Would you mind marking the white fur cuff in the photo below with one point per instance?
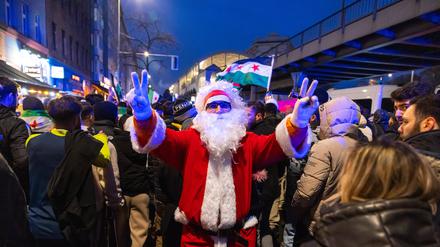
(155, 140)
(250, 222)
(283, 139)
(180, 216)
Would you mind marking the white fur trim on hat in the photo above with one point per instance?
(218, 98)
(283, 139)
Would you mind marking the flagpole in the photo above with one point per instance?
(270, 76)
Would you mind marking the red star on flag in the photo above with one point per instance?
(255, 67)
(228, 69)
(240, 66)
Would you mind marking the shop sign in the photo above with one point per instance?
(76, 78)
(57, 72)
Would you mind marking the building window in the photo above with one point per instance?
(25, 19)
(37, 29)
(9, 14)
(54, 36)
(71, 48)
(77, 52)
(63, 40)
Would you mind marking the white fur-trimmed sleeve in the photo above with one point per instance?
(157, 137)
(284, 140)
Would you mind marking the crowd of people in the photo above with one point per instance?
(220, 172)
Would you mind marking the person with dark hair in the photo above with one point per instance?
(87, 117)
(133, 177)
(265, 181)
(13, 132)
(421, 128)
(46, 151)
(255, 113)
(402, 97)
(35, 115)
(379, 126)
(94, 98)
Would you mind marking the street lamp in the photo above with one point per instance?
(146, 54)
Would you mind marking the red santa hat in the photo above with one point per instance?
(218, 91)
(217, 95)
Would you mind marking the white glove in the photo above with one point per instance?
(306, 106)
(138, 100)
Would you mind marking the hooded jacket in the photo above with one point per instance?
(13, 136)
(338, 133)
(399, 222)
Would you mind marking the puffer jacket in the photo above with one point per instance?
(339, 133)
(399, 222)
(13, 135)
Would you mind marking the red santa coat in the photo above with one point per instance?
(185, 151)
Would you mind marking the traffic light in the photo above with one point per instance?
(174, 63)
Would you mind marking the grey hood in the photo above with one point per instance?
(337, 117)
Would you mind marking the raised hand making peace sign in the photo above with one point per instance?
(306, 105)
(140, 102)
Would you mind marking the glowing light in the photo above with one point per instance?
(364, 90)
(390, 75)
(146, 54)
(32, 91)
(46, 92)
(24, 91)
(52, 94)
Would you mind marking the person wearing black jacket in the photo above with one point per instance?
(13, 133)
(134, 178)
(14, 228)
(61, 207)
(269, 189)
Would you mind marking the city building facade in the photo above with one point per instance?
(24, 56)
(68, 35)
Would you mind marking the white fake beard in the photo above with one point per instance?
(221, 133)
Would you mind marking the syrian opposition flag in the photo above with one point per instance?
(153, 96)
(256, 71)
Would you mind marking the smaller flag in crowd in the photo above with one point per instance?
(153, 95)
(256, 71)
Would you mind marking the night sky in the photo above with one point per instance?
(205, 27)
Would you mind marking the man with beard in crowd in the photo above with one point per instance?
(402, 99)
(421, 128)
(216, 158)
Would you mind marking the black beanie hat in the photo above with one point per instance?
(32, 103)
(105, 110)
(182, 110)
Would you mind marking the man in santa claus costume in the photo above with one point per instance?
(217, 157)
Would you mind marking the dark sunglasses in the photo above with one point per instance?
(215, 104)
